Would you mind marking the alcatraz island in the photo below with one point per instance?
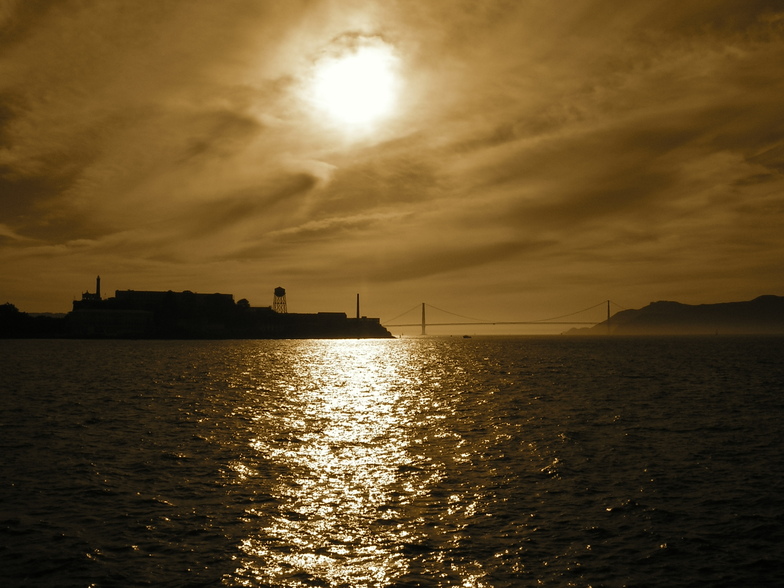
(134, 314)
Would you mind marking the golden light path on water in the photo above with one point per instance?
(341, 431)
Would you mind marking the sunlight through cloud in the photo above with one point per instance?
(358, 87)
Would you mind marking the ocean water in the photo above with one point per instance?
(481, 462)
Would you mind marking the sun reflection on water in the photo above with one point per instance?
(339, 442)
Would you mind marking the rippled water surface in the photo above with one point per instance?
(421, 462)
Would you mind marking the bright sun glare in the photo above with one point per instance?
(359, 88)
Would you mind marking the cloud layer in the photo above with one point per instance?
(543, 156)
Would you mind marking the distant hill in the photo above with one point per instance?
(763, 315)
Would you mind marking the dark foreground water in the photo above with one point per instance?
(422, 462)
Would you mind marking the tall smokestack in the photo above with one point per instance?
(357, 305)
(98, 287)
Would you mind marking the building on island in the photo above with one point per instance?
(191, 315)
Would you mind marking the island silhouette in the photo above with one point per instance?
(135, 314)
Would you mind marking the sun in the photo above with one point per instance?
(357, 88)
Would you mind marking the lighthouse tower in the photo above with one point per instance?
(94, 296)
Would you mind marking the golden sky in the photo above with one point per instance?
(511, 160)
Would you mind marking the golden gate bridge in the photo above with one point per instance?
(556, 320)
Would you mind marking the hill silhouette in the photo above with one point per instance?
(763, 315)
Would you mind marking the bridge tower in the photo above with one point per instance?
(423, 319)
(279, 301)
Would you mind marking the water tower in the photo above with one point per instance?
(279, 302)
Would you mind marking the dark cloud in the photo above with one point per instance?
(226, 213)
(18, 18)
(435, 260)
(383, 182)
(772, 159)
(20, 195)
(720, 18)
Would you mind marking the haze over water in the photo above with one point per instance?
(480, 462)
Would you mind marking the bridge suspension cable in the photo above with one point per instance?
(402, 313)
(476, 321)
(602, 303)
(470, 318)
(618, 305)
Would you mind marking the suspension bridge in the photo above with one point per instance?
(557, 320)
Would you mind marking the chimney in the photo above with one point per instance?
(98, 287)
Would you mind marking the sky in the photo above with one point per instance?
(511, 161)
